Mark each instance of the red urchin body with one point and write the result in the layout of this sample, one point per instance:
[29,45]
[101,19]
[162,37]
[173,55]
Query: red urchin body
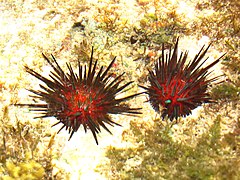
[86,98]
[178,87]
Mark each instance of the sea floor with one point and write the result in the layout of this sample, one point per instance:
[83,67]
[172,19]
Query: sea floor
[204,145]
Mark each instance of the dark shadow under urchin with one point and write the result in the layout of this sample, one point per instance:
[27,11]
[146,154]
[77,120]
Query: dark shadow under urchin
[177,87]
[85,98]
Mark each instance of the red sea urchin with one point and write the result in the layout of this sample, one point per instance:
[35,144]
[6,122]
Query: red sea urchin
[79,99]
[179,87]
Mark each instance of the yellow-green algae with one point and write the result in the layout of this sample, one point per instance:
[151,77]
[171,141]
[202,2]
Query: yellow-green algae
[157,156]
[23,151]
[28,169]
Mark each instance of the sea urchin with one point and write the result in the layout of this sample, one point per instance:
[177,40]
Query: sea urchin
[177,87]
[86,98]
